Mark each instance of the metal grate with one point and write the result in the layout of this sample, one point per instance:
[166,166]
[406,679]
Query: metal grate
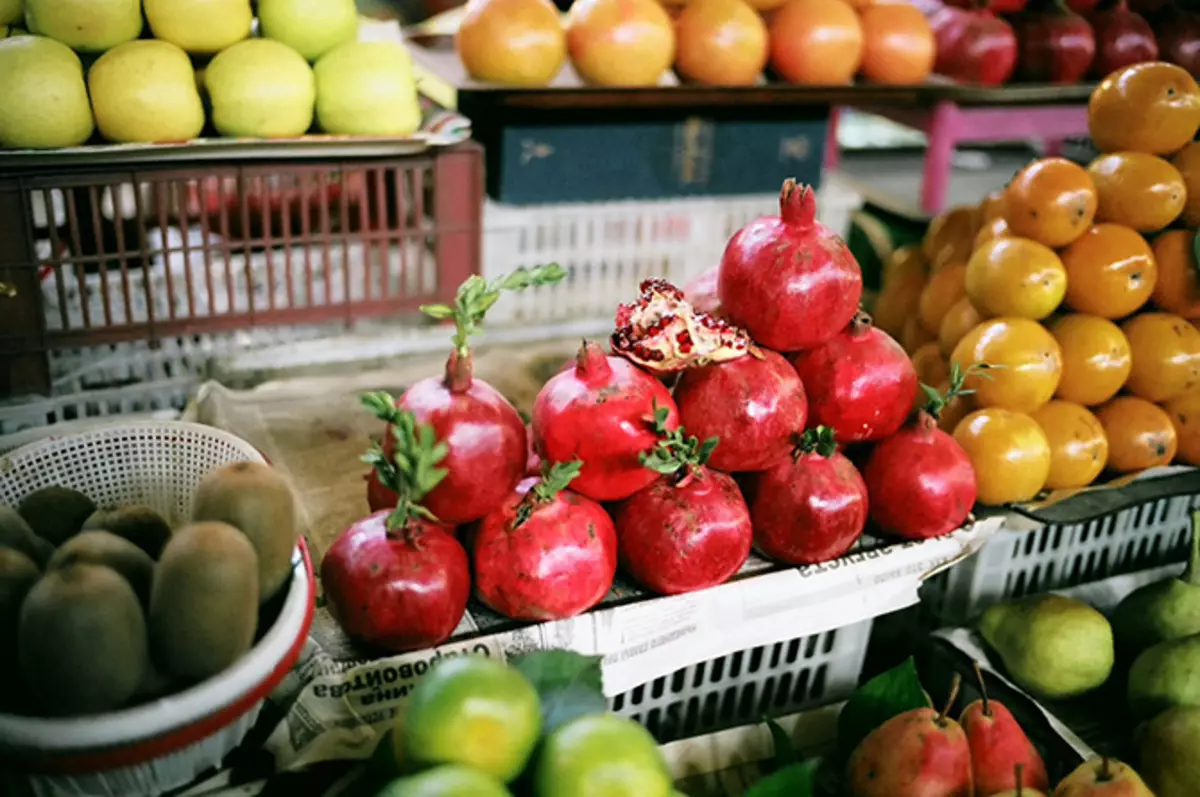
[100,257]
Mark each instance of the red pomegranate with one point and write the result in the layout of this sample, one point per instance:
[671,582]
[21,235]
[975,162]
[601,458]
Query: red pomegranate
[919,481]
[1056,46]
[533,462]
[1179,40]
[601,412]
[860,383]
[810,508]
[789,280]
[752,404]
[398,579]
[547,553]
[701,292]
[1084,7]
[973,46]
[663,333]
[378,496]
[484,437]
[994,6]
[1123,38]
[690,529]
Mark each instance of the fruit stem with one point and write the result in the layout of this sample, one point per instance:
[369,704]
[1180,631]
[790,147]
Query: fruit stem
[477,295]
[797,205]
[1105,773]
[821,441]
[591,363]
[676,455]
[955,683]
[936,403]
[412,471]
[555,478]
[987,705]
[1019,775]
[1192,574]
[459,370]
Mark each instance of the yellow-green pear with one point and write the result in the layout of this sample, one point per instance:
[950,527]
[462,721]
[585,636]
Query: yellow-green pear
[43,99]
[310,27]
[260,88]
[200,26]
[367,88]
[145,90]
[1102,777]
[90,26]
[1167,748]
[11,12]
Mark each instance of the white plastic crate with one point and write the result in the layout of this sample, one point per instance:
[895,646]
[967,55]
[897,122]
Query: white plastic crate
[1018,562]
[742,687]
[609,247]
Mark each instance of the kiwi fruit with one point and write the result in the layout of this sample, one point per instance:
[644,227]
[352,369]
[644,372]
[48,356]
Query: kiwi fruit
[15,533]
[18,574]
[56,513]
[204,602]
[253,498]
[103,548]
[82,641]
[139,524]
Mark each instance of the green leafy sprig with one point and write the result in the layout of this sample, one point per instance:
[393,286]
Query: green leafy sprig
[555,478]
[820,440]
[675,454]
[412,471]
[936,403]
[477,295]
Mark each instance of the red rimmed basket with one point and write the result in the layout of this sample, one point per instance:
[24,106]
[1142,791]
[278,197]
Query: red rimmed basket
[164,744]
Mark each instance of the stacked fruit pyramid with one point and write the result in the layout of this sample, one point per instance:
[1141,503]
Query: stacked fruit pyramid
[1071,298]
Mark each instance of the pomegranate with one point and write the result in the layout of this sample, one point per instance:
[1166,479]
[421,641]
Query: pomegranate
[397,578]
[690,529]
[486,449]
[1122,38]
[994,6]
[810,508]
[919,481]
[664,334]
[533,462]
[752,404]
[378,496]
[601,412]
[1084,7]
[547,552]
[701,293]
[1056,45]
[1179,40]
[860,383]
[788,279]
[973,46]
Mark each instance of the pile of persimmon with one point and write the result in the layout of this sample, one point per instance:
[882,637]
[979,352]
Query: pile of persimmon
[1072,296]
[525,43]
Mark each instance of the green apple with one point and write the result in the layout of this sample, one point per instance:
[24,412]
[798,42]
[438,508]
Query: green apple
[11,12]
[367,88]
[145,90]
[90,26]
[310,27]
[43,99]
[200,26]
[260,88]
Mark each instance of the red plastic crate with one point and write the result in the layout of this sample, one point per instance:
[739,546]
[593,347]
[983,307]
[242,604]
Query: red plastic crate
[114,254]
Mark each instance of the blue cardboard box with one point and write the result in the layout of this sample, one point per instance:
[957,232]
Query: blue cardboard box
[695,156]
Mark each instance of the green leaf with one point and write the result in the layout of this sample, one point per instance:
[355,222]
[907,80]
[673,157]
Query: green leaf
[441,312]
[569,684]
[794,780]
[785,755]
[877,701]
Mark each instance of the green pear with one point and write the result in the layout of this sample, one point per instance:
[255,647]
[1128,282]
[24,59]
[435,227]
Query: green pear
[90,26]
[1164,676]
[43,99]
[12,12]
[202,27]
[260,88]
[1052,646]
[1164,610]
[367,88]
[145,90]
[310,27]
[1167,747]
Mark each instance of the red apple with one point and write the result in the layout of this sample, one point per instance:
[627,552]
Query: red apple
[1123,37]
[1056,45]
[1179,40]
[973,46]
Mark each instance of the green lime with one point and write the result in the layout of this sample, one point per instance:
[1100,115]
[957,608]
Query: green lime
[602,755]
[474,711]
[447,781]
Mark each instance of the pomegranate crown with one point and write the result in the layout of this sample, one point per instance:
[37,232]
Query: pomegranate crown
[412,471]
[554,479]
[676,454]
[936,403]
[477,295]
[820,440]
[797,204]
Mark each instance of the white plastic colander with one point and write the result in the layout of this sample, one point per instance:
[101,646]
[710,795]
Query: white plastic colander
[165,744]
